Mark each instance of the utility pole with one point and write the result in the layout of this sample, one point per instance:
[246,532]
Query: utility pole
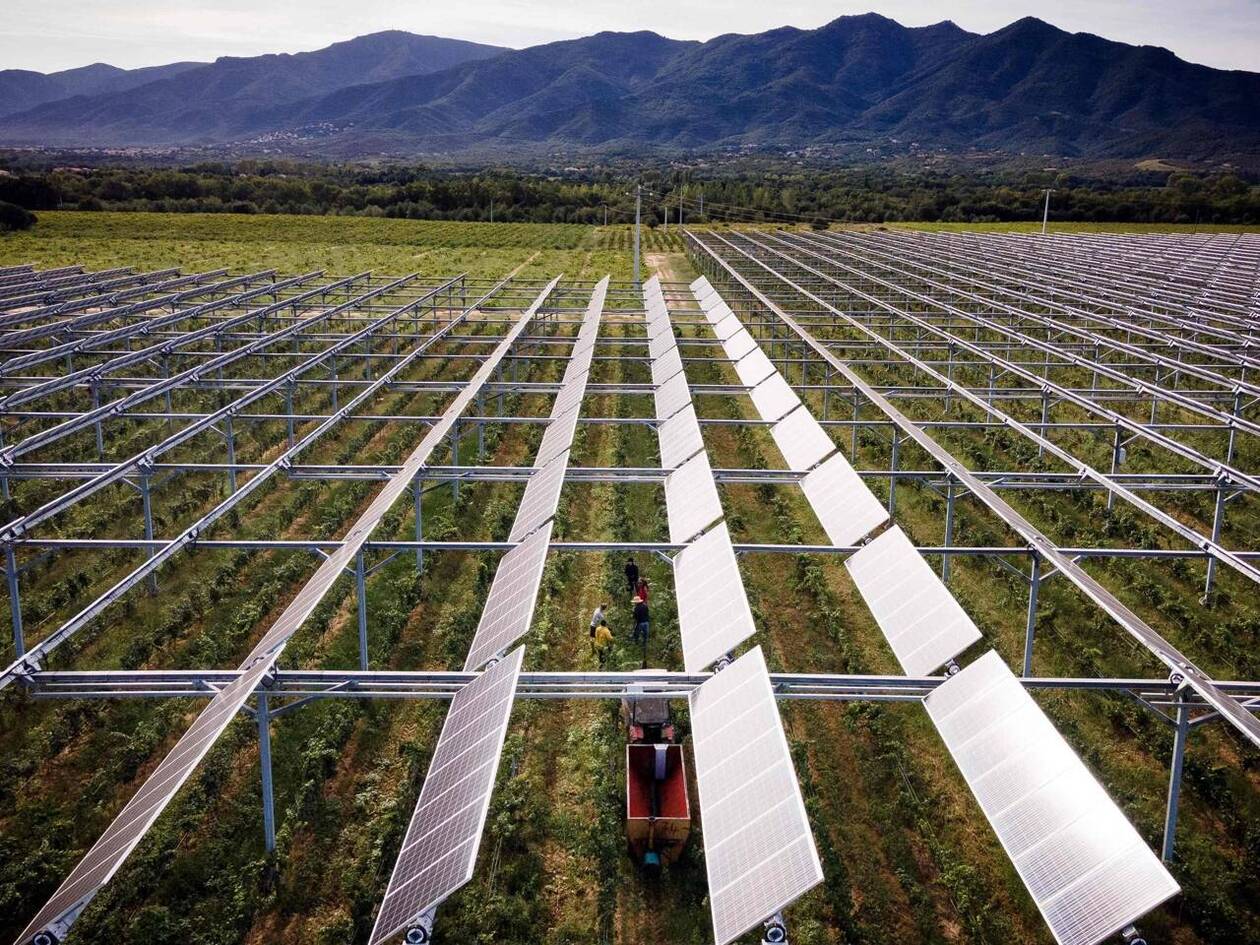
[605,214]
[491,209]
[680,222]
[638,206]
[702,203]
[1045,217]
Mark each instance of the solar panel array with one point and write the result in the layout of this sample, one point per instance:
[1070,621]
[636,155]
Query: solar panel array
[758,849]
[919,617]
[801,440]
[713,612]
[847,509]
[439,852]
[1088,870]
[121,837]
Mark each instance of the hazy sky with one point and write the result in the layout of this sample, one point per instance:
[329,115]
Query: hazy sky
[47,35]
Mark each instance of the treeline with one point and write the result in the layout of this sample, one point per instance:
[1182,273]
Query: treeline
[788,193]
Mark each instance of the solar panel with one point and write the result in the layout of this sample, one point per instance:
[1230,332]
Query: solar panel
[691,499]
[510,605]
[758,849]
[439,852]
[713,612]
[725,327]
[701,287]
[847,509]
[919,617]
[672,396]
[679,438]
[739,345]
[774,398]
[660,344]
[1088,870]
[666,366]
[557,438]
[801,440]
[570,396]
[541,498]
[754,368]
[719,312]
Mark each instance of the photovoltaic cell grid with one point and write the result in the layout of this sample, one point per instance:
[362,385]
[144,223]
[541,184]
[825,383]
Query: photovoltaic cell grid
[679,438]
[1087,869]
[510,604]
[725,327]
[439,852]
[691,499]
[541,498]
[739,345]
[847,509]
[666,366]
[557,438]
[754,368]
[919,617]
[801,440]
[713,612]
[774,398]
[758,849]
[672,396]
[120,838]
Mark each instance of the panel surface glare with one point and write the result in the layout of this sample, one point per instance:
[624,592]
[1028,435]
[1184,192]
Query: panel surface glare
[922,622]
[439,852]
[713,612]
[801,440]
[1088,870]
[691,499]
[774,398]
[847,509]
[679,438]
[541,498]
[758,849]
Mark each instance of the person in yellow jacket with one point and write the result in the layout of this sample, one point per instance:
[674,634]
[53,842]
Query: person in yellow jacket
[601,643]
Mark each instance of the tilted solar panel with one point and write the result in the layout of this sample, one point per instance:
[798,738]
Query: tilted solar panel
[541,498]
[916,612]
[739,345]
[666,366]
[801,440]
[557,438]
[726,327]
[672,396]
[758,849]
[439,852]
[509,607]
[1088,870]
[679,438]
[774,398]
[691,499]
[719,312]
[754,368]
[713,612]
[660,344]
[847,509]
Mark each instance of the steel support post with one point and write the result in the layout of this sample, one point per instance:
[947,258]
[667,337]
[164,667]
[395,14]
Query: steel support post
[264,763]
[417,490]
[332,373]
[288,408]
[360,593]
[1045,420]
[1030,628]
[1115,466]
[146,500]
[1218,519]
[892,478]
[949,527]
[1182,732]
[854,435]
[15,601]
[455,460]
[96,403]
[230,435]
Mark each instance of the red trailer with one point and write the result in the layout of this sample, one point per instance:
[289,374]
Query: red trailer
[658,813]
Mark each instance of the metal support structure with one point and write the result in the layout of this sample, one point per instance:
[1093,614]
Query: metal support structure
[360,593]
[263,714]
[1181,734]
[1030,627]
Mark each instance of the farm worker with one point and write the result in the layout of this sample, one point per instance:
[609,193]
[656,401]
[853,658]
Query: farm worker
[640,619]
[641,590]
[632,574]
[601,643]
[598,619]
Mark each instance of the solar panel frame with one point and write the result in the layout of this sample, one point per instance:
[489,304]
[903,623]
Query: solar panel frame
[725,327]
[1088,870]
[671,396]
[774,398]
[557,438]
[720,312]
[759,849]
[754,368]
[541,498]
[658,345]
[920,619]
[713,612]
[679,438]
[801,440]
[509,607]
[847,510]
[471,744]
[691,499]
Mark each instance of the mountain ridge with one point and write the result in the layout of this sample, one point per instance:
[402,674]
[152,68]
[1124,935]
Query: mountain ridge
[858,81]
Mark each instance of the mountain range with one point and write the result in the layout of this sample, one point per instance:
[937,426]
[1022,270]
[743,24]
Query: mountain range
[858,82]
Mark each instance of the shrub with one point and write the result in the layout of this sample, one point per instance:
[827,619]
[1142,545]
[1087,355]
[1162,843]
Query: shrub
[13,217]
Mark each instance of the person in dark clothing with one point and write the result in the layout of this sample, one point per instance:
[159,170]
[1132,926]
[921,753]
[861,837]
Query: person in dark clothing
[632,574]
[641,620]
